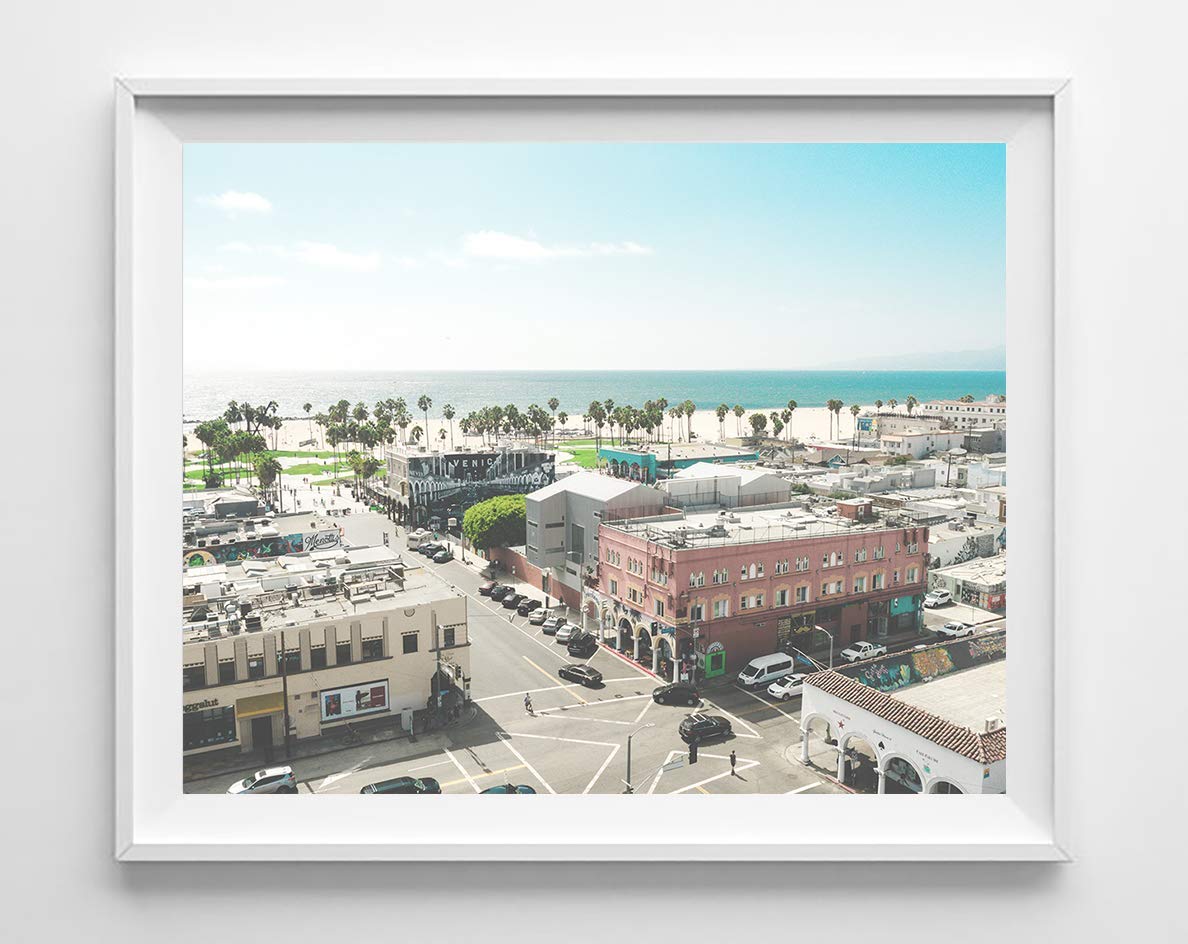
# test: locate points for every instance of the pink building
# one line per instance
(720, 588)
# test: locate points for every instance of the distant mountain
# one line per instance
(990, 358)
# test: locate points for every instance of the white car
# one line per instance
(936, 598)
(955, 630)
(268, 780)
(862, 650)
(566, 631)
(788, 687)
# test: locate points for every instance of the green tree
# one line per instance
(879, 406)
(449, 413)
(911, 404)
(758, 423)
(423, 403)
(720, 411)
(968, 398)
(308, 407)
(496, 522)
(791, 405)
(738, 412)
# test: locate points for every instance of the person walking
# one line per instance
(733, 761)
(528, 703)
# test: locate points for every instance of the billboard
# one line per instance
(865, 424)
(450, 483)
(354, 700)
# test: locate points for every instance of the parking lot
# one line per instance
(575, 739)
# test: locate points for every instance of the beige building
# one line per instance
(325, 639)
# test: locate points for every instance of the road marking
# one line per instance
(334, 778)
(506, 739)
(703, 790)
(548, 737)
(594, 704)
(807, 786)
(660, 770)
(553, 688)
(462, 770)
(547, 674)
(489, 773)
(644, 710)
(742, 765)
(595, 720)
(767, 703)
(605, 764)
(753, 734)
(438, 763)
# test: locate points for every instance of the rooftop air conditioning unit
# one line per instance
(994, 724)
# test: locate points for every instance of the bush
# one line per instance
(212, 480)
(496, 522)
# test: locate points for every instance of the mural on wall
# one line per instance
(259, 548)
(887, 675)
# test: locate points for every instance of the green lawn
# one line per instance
(586, 458)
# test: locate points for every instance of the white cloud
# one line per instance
(331, 257)
(491, 244)
(237, 201)
(235, 282)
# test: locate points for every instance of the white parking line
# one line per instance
(742, 765)
(807, 786)
(506, 739)
(660, 770)
(438, 763)
(605, 764)
(644, 710)
(548, 737)
(753, 734)
(768, 704)
(593, 704)
(462, 770)
(552, 688)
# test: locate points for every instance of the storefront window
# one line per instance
(208, 727)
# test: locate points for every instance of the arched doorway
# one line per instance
(626, 644)
(900, 776)
(817, 746)
(858, 764)
(664, 663)
(643, 646)
(944, 786)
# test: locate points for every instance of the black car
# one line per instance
(582, 674)
(430, 549)
(512, 600)
(510, 788)
(404, 785)
(582, 645)
(703, 728)
(527, 606)
(485, 589)
(678, 693)
(499, 591)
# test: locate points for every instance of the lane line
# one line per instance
(601, 770)
(701, 783)
(644, 711)
(807, 786)
(717, 707)
(660, 770)
(703, 790)
(439, 763)
(506, 739)
(462, 770)
(593, 704)
(768, 704)
(548, 737)
(553, 688)
(489, 773)
(550, 675)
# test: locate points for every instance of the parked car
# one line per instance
(678, 693)
(582, 645)
(550, 626)
(862, 650)
(404, 785)
(500, 590)
(935, 598)
(539, 617)
(268, 780)
(567, 632)
(764, 670)
(485, 589)
(788, 687)
(510, 788)
(443, 556)
(431, 548)
(955, 629)
(527, 606)
(703, 728)
(582, 674)
(512, 600)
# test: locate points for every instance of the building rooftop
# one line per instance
(590, 484)
(900, 709)
(711, 470)
(788, 521)
(989, 571)
(684, 451)
(969, 697)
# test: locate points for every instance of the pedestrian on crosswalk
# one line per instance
(733, 761)
(528, 703)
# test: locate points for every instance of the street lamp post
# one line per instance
(830, 635)
(650, 724)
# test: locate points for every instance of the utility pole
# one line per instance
(650, 724)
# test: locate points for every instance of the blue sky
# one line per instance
(597, 256)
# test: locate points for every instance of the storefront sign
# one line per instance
(202, 705)
(714, 647)
(355, 700)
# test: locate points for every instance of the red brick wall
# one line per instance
(516, 566)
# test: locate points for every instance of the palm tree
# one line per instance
(268, 472)
(834, 407)
(423, 404)
(738, 412)
(893, 403)
(855, 409)
(689, 408)
(792, 405)
(879, 406)
(309, 419)
(449, 413)
(721, 411)
(415, 435)
(911, 403)
(553, 404)
(562, 418)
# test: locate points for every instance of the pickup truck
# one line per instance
(862, 650)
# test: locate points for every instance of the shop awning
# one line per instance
(255, 705)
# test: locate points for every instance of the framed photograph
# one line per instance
(639, 448)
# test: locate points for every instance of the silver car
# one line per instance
(566, 632)
(268, 780)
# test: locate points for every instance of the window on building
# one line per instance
(802, 594)
(742, 572)
(317, 657)
(860, 555)
(824, 560)
(448, 637)
(895, 577)
(408, 643)
(758, 569)
(290, 662)
(758, 600)
(696, 612)
(879, 552)
(742, 603)
(913, 574)
(721, 609)
(614, 587)
(227, 672)
(208, 727)
(781, 598)
(193, 676)
(373, 648)
(859, 584)
(256, 666)
(876, 582)
(342, 653)
(659, 607)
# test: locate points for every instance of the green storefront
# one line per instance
(904, 613)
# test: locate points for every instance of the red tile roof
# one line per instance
(984, 748)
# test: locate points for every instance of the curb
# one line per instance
(630, 662)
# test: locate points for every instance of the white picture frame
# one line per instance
(154, 821)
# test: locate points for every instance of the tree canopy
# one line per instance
(496, 522)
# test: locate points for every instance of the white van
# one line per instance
(764, 670)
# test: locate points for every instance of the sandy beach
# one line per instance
(808, 424)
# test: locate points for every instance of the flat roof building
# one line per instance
(649, 464)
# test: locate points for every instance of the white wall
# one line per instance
(1128, 225)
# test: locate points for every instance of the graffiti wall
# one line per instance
(260, 548)
(908, 668)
